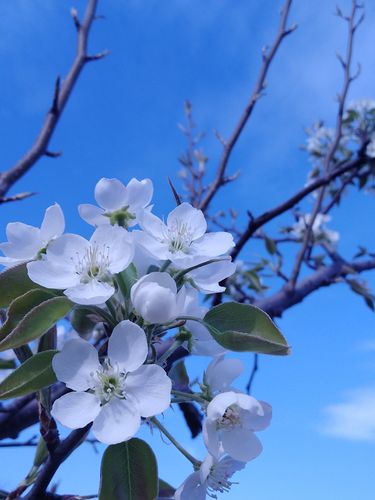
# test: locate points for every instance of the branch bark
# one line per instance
(260, 85)
(61, 95)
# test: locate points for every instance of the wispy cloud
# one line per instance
(354, 418)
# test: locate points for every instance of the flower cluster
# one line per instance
(138, 279)
(319, 230)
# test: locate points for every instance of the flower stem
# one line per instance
(176, 344)
(188, 396)
(166, 433)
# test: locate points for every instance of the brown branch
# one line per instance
(61, 95)
(348, 78)
(260, 85)
(285, 298)
(257, 222)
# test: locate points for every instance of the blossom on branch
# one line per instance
(114, 394)
(26, 243)
(119, 204)
(84, 269)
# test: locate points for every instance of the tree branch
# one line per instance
(61, 95)
(260, 85)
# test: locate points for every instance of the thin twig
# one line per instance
(61, 95)
(260, 85)
(253, 373)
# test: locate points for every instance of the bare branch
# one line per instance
(61, 96)
(16, 197)
(267, 57)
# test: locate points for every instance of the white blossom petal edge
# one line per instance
(84, 269)
(120, 391)
(26, 242)
(213, 476)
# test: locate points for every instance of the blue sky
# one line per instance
(122, 121)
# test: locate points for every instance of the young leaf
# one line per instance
(165, 489)
(36, 322)
(20, 306)
(270, 245)
(129, 472)
(13, 283)
(34, 374)
(242, 327)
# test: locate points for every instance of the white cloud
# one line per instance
(353, 419)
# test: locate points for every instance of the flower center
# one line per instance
(230, 419)
(121, 217)
(109, 382)
(179, 237)
(93, 264)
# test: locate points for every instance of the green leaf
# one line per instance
(37, 322)
(7, 364)
(242, 327)
(83, 320)
(126, 279)
(129, 472)
(13, 283)
(270, 245)
(165, 489)
(34, 374)
(20, 306)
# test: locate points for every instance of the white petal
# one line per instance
(221, 372)
(92, 293)
(75, 364)
(110, 193)
(211, 438)
(117, 421)
(92, 214)
(152, 246)
(213, 244)
(127, 346)
(139, 193)
(207, 278)
(149, 388)
(51, 275)
(163, 279)
(24, 241)
(115, 242)
(241, 444)
(153, 225)
(206, 466)
(207, 347)
(256, 415)
(191, 489)
(9, 261)
(76, 409)
(53, 224)
(192, 217)
(66, 250)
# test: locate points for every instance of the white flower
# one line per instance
(202, 342)
(84, 269)
(26, 242)
(362, 107)
(220, 374)
(156, 299)
(208, 277)
(231, 421)
(119, 204)
(213, 476)
(319, 231)
(183, 240)
(113, 395)
(319, 139)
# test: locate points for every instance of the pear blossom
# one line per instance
(319, 139)
(220, 374)
(319, 231)
(84, 269)
(26, 243)
(370, 149)
(118, 204)
(229, 427)
(362, 107)
(202, 343)
(114, 394)
(183, 239)
(156, 299)
(212, 477)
